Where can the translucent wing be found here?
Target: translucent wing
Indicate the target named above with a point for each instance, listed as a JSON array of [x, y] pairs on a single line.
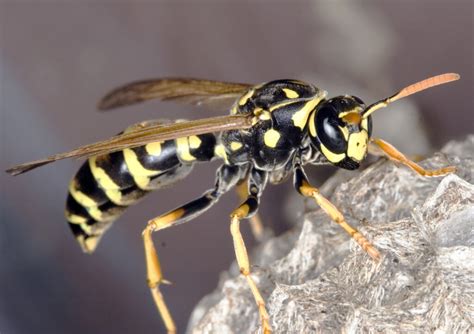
[[142, 136], [184, 90]]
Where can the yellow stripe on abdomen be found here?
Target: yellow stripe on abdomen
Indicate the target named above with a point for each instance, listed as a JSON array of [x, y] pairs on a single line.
[[140, 174]]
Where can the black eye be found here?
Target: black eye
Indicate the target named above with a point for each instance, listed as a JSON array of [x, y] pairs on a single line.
[[328, 131]]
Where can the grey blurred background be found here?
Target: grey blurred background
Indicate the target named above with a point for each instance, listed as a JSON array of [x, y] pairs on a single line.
[[58, 58]]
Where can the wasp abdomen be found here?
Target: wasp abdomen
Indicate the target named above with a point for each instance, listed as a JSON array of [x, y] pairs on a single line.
[[106, 185]]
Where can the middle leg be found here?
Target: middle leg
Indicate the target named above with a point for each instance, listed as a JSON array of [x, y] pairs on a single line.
[[257, 181], [227, 177]]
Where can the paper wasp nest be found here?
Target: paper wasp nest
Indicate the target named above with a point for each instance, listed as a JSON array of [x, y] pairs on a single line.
[[315, 279]]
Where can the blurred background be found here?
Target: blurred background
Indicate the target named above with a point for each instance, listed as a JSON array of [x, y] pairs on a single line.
[[58, 58]]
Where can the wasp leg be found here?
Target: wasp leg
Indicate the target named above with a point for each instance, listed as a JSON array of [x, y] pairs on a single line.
[[393, 154], [304, 188], [247, 209], [227, 177], [256, 224]]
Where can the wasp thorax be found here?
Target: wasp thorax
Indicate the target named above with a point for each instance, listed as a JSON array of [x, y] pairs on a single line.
[[338, 130]]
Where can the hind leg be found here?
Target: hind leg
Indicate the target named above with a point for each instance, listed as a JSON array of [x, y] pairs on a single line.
[[227, 177]]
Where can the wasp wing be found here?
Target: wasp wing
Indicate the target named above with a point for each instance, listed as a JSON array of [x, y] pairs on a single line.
[[184, 90], [143, 136]]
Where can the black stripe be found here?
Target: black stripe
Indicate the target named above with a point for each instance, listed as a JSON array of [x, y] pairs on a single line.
[[205, 151], [77, 230], [86, 183], [73, 207], [116, 168], [166, 160]]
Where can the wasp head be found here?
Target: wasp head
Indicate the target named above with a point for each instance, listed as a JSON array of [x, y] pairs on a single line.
[[340, 132]]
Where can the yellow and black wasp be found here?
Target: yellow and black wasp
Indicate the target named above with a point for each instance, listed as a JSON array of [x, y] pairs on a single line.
[[274, 129]]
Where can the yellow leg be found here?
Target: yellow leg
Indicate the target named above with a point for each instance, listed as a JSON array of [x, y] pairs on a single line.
[[153, 266], [256, 224], [244, 265], [305, 189], [393, 154]]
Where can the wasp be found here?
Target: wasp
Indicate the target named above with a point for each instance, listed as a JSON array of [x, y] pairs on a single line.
[[274, 129]]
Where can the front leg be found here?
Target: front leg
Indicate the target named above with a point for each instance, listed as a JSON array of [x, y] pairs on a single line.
[[393, 154], [304, 188]]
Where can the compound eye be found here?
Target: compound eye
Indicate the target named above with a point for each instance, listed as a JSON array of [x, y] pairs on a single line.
[[327, 128]]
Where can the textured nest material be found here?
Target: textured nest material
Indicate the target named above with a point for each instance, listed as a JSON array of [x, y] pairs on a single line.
[[315, 279]]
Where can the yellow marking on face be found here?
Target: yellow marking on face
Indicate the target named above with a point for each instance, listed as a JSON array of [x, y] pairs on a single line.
[[312, 125], [111, 189], [357, 145], [75, 219], [220, 152], [182, 146], [300, 117], [153, 149], [332, 157], [365, 124], [194, 142], [235, 145], [271, 137], [243, 100], [344, 131], [352, 116], [290, 93], [140, 174]]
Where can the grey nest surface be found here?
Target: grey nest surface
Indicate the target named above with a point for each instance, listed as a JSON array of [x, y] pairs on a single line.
[[315, 279]]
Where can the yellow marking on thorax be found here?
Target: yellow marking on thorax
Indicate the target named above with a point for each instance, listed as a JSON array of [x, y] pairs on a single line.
[[282, 104], [235, 145], [153, 149], [105, 182], [140, 174], [332, 157], [271, 137], [357, 145], [85, 201], [300, 118], [194, 142], [260, 115], [290, 93], [243, 100], [182, 146], [220, 152]]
